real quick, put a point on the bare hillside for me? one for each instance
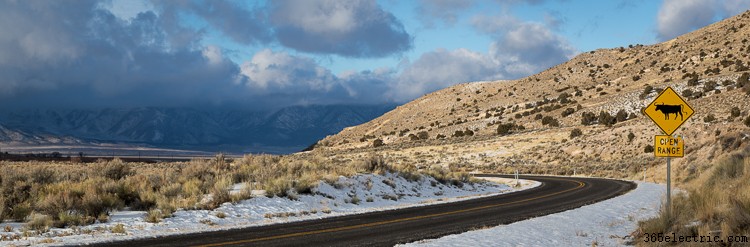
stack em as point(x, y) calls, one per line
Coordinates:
point(504, 125)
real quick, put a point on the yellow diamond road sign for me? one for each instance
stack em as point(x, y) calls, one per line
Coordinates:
point(669, 111)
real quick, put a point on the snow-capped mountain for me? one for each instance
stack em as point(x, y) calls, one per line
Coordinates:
point(286, 130)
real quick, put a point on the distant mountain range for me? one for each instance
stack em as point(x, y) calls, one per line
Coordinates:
point(286, 130)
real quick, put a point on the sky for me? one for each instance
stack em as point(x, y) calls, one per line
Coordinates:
point(271, 54)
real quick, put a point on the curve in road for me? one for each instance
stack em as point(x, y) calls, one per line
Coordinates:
point(387, 228)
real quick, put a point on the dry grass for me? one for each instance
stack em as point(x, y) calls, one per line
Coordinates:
point(716, 203)
point(74, 194)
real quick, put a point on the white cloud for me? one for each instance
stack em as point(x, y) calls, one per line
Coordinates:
point(213, 54)
point(519, 49)
point(442, 68)
point(358, 28)
point(677, 17)
point(528, 48)
point(735, 7)
point(279, 70)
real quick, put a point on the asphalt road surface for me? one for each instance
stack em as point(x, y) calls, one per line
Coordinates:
point(388, 228)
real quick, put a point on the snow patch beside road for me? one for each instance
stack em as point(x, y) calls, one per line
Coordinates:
point(607, 223)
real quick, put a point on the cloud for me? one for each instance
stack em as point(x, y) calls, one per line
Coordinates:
point(357, 28)
point(243, 25)
point(77, 54)
point(269, 70)
point(677, 17)
point(519, 49)
point(445, 11)
point(735, 7)
point(523, 48)
point(279, 77)
point(442, 68)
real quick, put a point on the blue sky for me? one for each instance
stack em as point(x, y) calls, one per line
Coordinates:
point(267, 54)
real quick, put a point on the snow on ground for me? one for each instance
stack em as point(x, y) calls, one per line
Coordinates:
point(606, 223)
point(358, 194)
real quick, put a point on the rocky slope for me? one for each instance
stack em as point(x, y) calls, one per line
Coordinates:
point(587, 93)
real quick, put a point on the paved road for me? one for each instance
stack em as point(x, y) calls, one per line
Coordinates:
point(388, 228)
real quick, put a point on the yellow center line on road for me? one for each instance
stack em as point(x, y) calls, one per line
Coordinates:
point(344, 228)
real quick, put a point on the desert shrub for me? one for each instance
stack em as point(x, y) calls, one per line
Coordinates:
point(2, 207)
point(19, 212)
point(423, 135)
point(575, 133)
point(747, 121)
point(636, 77)
point(547, 120)
point(114, 169)
point(508, 128)
point(646, 91)
point(744, 80)
point(220, 193)
point(727, 168)
point(153, 216)
point(68, 219)
point(43, 175)
point(709, 86)
point(468, 132)
point(458, 133)
point(94, 203)
point(567, 112)
point(58, 199)
point(374, 164)
point(563, 98)
point(621, 115)
point(377, 143)
point(171, 190)
point(735, 112)
point(278, 187)
point(687, 93)
point(413, 137)
point(220, 162)
point(588, 118)
point(631, 136)
point(709, 118)
point(606, 119)
point(648, 149)
point(119, 228)
point(39, 222)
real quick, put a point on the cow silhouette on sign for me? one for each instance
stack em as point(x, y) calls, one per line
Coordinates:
point(670, 109)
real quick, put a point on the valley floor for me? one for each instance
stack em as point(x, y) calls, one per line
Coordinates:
point(606, 223)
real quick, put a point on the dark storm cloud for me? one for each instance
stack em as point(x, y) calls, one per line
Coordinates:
point(58, 54)
point(246, 26)
point(78, 54)
point(358, 28)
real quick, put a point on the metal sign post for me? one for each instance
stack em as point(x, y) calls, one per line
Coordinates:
point(669, 187)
